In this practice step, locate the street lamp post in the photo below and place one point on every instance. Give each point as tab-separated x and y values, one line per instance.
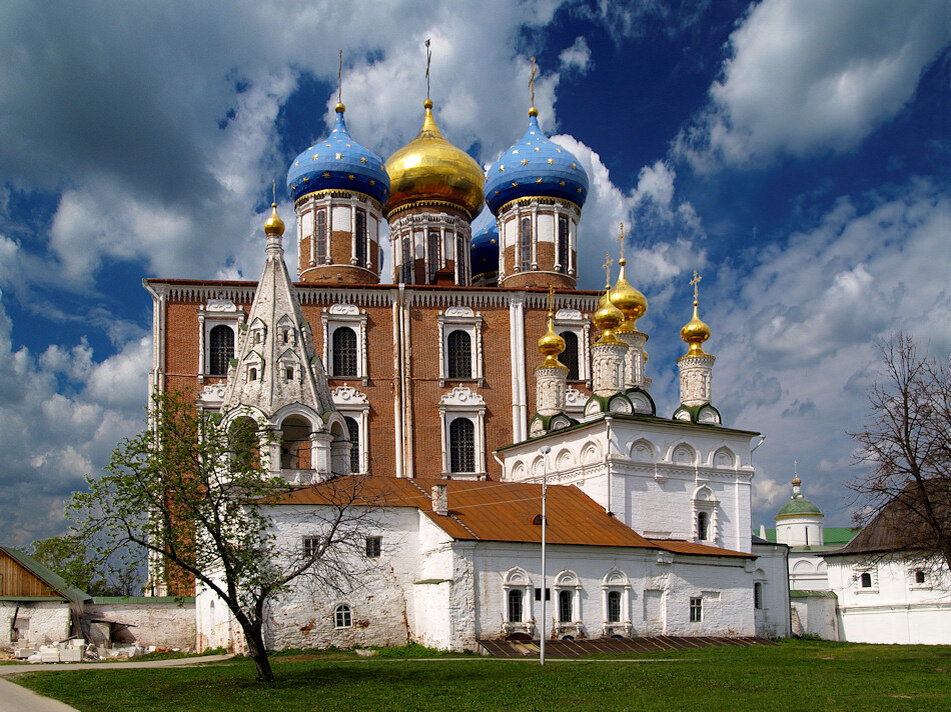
541	636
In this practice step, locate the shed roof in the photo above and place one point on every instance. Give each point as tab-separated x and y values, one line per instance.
55	582
496	511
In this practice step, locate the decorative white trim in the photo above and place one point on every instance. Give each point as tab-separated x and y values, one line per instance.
344	314
461	402
460	318
351	403
216	312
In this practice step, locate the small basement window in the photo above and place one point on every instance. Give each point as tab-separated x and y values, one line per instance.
866	580
374	546
311	545
696	610
920	577
342	616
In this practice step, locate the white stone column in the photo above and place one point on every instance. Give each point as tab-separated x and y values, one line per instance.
550	386
696	379
634	358
607	372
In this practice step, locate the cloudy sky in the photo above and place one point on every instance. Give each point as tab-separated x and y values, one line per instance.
795	153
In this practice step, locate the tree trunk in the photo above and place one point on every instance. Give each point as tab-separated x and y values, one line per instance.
254	635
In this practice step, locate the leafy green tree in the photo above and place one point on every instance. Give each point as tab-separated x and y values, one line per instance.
77	561
195	500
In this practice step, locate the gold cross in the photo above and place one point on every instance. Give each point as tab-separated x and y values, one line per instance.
429	57
551	299
620	238
274	190
531	80
340	77
695	281
607	268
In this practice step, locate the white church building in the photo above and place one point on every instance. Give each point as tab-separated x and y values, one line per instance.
648	517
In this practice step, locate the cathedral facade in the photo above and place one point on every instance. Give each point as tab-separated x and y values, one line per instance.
462	384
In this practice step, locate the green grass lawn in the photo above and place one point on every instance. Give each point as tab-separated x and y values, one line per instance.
794	675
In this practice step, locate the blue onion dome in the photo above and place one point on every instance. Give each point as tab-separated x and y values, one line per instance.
535	166
338	162
484	251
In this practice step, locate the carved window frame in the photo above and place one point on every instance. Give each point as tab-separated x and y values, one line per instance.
351	403
462	402
460	318
216	312
574	321
705	501
346	315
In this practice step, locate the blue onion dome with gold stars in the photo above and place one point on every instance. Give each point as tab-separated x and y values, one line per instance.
338	162
535	166
484	251
430	170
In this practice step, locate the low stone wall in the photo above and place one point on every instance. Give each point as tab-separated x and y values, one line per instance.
165	622
814	613
37	622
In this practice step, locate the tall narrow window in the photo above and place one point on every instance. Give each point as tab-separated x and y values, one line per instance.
866	580
696	610
353	431
515	605
569	357
406	276
320	236
344	352
462	272
562	244
221	348
462	445
361	237
459	361
703	525
525	245
565	612
920	577
614	606
758	596
432	253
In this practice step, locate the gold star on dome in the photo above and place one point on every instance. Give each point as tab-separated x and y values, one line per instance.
537	148
538	180
363	159
306	179
296	163
561	183
316	156
524	161
372	181
492	241
558	149
350	177
326	174
579	189
514	151
551	160
574	165
338	156
514	184
501	168
327	145
349	145
496	192
293	187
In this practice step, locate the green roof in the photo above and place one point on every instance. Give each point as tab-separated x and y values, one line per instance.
143	599
812	594
51	579
832	537
798	505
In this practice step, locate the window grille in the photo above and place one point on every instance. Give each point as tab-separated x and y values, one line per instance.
525	245
374	546
311	545
221	348
563	244
565	612
432	242
353	431
462	272
696	610
703	521
320	236
407	261
569	357
342	616
361	237
758	596
459	361
614	606
462	445
515	605
344	352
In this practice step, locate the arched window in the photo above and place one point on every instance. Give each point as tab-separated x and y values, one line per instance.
320	237
295	443
703	525
614	606
342	616
866	580
361	237
406	261
433	253
562	244
569	357
758	596
221	348
344	352
353	430
525	245
565	607
516	599
460	355
462	274
920	577
461	445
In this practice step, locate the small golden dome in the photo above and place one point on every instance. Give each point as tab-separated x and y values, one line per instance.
550	345
796	481
631	302
431	168
532	111
607	319
274	225
695	332
340	108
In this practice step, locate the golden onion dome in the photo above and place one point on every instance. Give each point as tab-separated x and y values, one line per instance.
429	168
630	301
274	225
796	481
695	332
607	319
550	345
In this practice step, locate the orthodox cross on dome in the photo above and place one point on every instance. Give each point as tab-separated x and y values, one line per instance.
339	76
696	290
274	191
620	238
551	300
531	79
607	269
429	58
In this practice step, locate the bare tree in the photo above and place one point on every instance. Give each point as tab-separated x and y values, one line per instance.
196	502
906	442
